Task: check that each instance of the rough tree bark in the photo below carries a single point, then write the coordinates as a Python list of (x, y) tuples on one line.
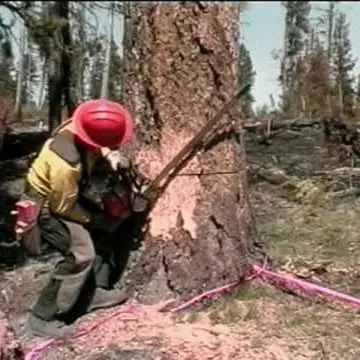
[(179, 71)]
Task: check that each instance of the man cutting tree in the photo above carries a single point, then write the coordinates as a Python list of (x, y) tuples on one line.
[(55, 183)]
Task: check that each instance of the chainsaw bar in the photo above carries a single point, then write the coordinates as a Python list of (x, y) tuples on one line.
[(196, 141)]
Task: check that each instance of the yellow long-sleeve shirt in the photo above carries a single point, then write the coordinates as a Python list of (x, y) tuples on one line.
[(57, 179)]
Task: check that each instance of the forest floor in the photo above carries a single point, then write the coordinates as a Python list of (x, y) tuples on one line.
[(317, 239)]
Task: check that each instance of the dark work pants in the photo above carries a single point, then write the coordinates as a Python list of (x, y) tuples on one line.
[(74, 275)]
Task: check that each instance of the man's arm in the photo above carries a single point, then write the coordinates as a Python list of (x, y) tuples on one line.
[(115, 158), (63, 199)]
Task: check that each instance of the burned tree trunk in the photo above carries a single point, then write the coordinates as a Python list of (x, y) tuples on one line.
[(59, 75), (66, 59), (179, 71)]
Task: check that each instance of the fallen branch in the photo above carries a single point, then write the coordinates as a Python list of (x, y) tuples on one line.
[(271, 128), (276, 176), (343, 171), (344, 193), (282, 124)]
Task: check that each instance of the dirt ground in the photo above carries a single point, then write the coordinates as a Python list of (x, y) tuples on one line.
[(317, 239)]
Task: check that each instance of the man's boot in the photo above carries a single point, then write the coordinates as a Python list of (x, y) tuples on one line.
[(56, 301), (102, 272), (42, 319), (38, 327), (106, 298)]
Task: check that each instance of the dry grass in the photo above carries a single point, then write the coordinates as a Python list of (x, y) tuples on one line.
[(321, 243)]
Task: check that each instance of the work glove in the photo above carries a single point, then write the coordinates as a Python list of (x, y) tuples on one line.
[(26, 213), (143, 197), (117, 160), (26, 230)]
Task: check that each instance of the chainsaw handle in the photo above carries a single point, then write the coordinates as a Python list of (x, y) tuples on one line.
[(142, 199)]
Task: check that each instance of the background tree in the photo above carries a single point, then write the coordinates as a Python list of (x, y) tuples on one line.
[(116, 69), (246, 74), (80, 38), (357, 98), (107, 62), (20, 75), (343, 65), (96, 69), (97, 60), (31, 74), (7, 80), (60, 60), (297, 28), (317, 91)]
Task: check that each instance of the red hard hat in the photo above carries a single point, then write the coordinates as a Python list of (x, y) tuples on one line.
[(103, 123)]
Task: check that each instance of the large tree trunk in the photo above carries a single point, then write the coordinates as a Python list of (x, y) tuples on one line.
[(180, 71)]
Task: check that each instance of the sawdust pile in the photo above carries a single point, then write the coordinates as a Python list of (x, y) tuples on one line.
[(10, 348), (135, 332), (180, 195)]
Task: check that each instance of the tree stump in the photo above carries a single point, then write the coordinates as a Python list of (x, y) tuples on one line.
[(10, 349), (180, 69)]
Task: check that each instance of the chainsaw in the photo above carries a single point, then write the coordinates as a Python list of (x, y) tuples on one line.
[(130, 192), (155, 188), (122, 186)]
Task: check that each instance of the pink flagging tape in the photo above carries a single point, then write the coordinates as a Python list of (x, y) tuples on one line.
[(34, 353), (310, 288), (256, 272), (217, 291), (204, 295)]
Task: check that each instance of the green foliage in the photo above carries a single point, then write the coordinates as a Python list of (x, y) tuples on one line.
[(41, 34), (297, 23), (297, 27), (246, 74)]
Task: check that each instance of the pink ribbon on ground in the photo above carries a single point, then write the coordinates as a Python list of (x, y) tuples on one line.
[(34, 353), (291, 282), (256, 272)]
